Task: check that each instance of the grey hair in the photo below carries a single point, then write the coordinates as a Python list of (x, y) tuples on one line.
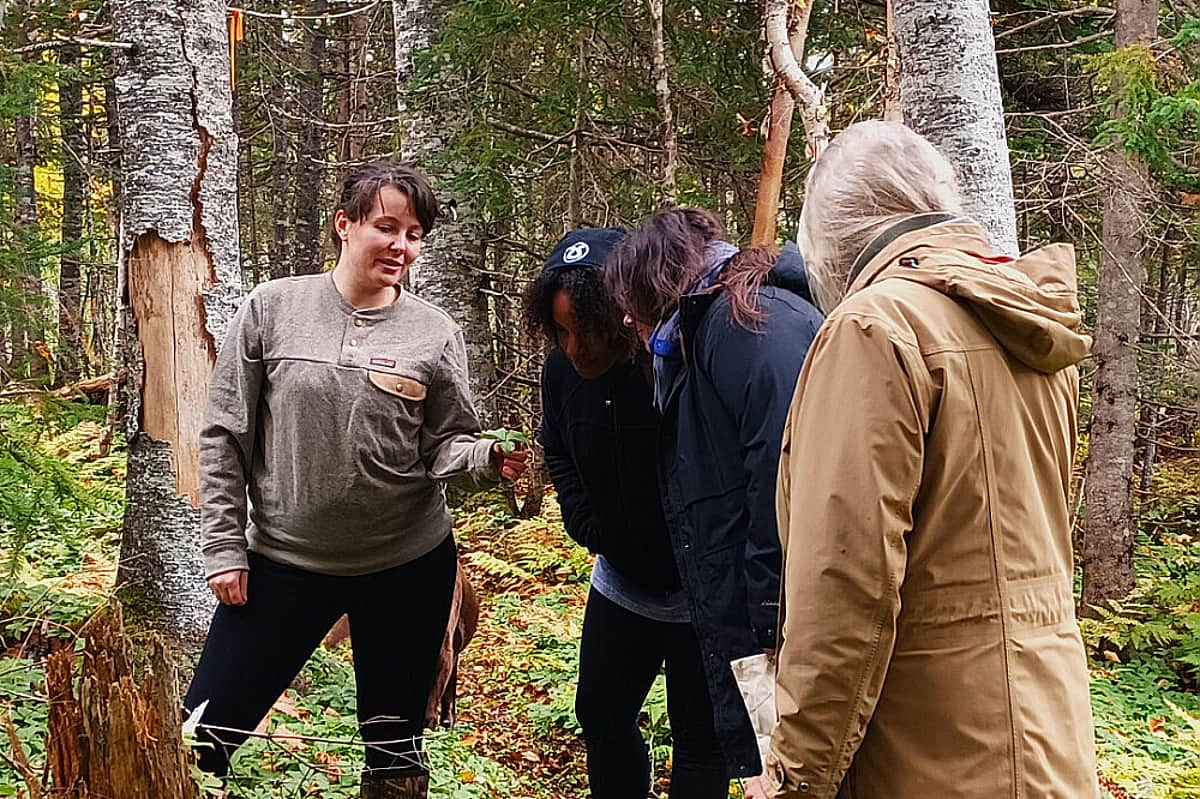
[(873, 175)]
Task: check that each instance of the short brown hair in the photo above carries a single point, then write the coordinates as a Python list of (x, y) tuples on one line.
[(362, 184)]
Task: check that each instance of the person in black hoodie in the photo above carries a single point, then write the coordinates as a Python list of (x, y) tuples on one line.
[(729, 331), (599, 433)]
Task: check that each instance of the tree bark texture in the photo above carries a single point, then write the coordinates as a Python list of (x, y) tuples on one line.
[(281, 170), (779, 131), (950, 94), (309, 256), (29, 341), (1108, 524), (27, 156), (70, 332), (352, 85), (891, 79), (662, 93), (785, 47), (181, 279), (449, 272), (770, 182)]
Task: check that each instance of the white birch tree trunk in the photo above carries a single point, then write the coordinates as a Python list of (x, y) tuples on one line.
[(950, 94), (449, 272), (662, 92), (181, 282)]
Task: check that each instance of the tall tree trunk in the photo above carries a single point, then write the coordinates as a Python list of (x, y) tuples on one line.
[(449, 272), (662, 92), (70, 98), (352, 87), (310, 156), (891, 79), (779, 131), (27, 156), (182, 282), (574, 166), (1108, 526), (279, 96), (29, 346), (1151, 412), (785, 47), (950, 94)]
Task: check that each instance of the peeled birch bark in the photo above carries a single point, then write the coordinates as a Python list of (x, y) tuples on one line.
[(180, 282)]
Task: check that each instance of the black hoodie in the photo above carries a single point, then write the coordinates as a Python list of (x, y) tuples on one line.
[(600, 438)]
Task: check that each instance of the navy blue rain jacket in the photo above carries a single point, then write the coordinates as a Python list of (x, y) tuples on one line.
[(718, 461)]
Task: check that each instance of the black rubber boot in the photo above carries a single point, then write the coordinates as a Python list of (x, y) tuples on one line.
[(414, 785)]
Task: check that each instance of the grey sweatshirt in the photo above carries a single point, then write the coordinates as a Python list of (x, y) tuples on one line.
[(339, 425)]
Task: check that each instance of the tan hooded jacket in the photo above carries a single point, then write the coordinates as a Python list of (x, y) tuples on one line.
[(929, 647)]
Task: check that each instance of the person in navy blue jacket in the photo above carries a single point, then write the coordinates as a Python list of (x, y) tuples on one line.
[(728, 331), (599, 432)]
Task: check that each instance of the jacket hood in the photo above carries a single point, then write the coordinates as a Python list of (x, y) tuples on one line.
[(790, 273), (1029, 304)]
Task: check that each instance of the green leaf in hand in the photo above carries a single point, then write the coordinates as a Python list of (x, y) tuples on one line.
[(508, 439)]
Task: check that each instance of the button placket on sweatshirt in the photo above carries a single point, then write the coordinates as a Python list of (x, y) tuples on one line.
[(356, 336)]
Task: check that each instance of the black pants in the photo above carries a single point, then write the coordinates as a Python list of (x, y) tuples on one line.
[(619, 657), (398, 618)]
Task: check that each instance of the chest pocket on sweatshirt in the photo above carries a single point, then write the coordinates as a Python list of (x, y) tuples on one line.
[(389, 421), (404, 387)]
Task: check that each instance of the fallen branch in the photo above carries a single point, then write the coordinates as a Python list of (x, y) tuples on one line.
[(20, 760)]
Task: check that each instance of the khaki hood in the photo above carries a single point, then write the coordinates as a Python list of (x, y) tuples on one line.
[(1030, 304)]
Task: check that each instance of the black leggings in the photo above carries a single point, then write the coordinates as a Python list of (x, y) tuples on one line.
[(619, 657), (397, 617)]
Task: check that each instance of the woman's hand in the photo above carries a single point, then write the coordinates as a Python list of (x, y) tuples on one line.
[(755, 789), (230, 587), (511, 465)]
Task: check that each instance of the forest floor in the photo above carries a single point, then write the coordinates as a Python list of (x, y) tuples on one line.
[(516, 736)]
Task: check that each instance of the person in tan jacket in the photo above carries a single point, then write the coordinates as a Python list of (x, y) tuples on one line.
[(928, 647)]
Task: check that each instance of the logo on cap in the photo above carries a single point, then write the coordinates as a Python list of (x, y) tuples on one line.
[(576, 251)]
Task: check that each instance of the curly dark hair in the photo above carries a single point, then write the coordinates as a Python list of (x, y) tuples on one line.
[(595, 311)]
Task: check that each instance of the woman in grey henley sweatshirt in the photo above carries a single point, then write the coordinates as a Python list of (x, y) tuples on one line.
[(337, 411)]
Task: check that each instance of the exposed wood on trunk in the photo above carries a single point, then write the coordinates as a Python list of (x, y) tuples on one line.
[(181, 285), (770, 184), (65, 739), (165, 281), (118, 735), (1109, 526), (950, 93)]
